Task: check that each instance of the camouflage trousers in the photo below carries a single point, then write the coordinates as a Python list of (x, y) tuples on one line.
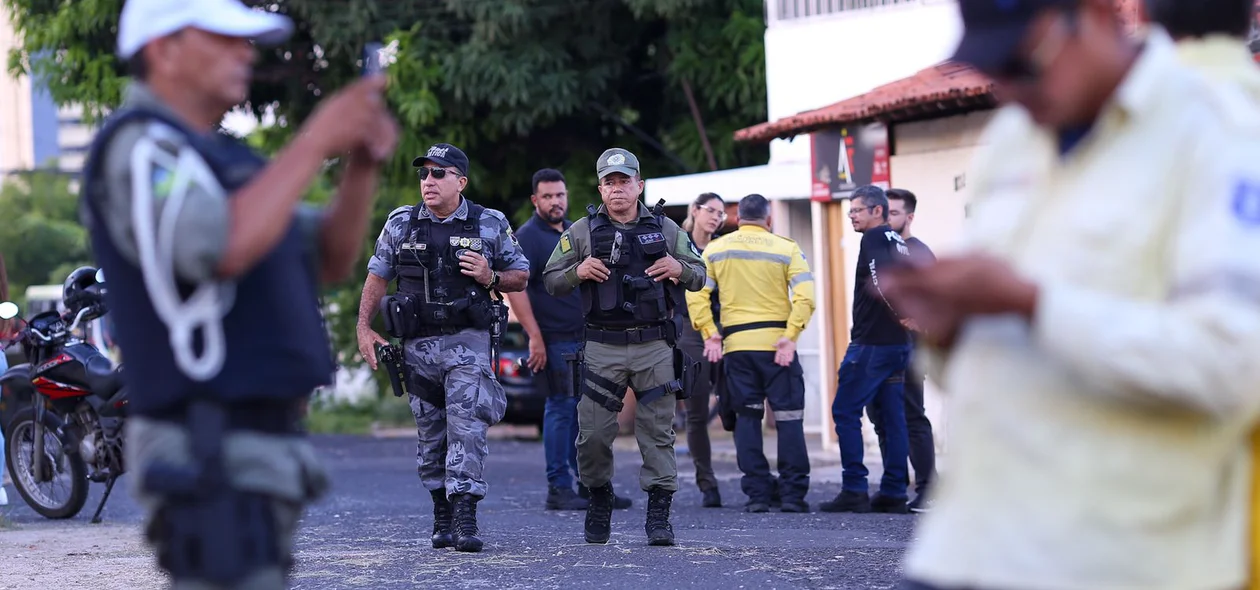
[(451, 444)]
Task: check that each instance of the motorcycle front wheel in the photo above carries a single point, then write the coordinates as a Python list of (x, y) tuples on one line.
[(59, 471)]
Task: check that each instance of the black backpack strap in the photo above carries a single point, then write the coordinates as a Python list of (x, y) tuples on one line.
[(473, 223)]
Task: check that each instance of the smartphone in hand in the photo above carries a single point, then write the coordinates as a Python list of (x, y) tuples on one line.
[(372, 59)]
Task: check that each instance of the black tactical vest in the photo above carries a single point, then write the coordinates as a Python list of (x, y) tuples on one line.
[(276, 343), (629, 298), (428, 267)]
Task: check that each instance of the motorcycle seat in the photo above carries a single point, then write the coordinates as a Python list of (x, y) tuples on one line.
[(102, 378)]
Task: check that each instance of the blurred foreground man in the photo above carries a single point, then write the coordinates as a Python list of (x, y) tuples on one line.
[(214, 270), (1100, 336), (1212, 38), (630, 264), (766, 296)]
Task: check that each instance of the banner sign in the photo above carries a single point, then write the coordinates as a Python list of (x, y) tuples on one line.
[(846, 158)]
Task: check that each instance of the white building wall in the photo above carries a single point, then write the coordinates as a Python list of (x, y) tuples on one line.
[(815, 61), (17, 147)]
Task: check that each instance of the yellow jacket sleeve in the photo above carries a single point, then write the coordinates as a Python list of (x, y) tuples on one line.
[(698, 302), (801, 285)]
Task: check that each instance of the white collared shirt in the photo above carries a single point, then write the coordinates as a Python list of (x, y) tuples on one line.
[(1104, 445)]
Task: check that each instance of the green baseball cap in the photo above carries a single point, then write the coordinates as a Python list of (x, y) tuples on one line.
[(617, 160)]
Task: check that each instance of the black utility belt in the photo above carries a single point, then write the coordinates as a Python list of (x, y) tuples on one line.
[(634, 335), (407, 315), (272, 416), (727, 331)]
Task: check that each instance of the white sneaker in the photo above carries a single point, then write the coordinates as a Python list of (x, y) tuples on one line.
[(4, 497)]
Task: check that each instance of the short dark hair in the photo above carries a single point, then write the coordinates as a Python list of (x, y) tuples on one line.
[(754, 207), (872, 196), (905, 196), (546, 175), (136, 66), (1199, 18)]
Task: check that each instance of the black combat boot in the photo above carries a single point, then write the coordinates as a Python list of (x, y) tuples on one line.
[(442, 537), (659, 532), (599, 514), (466, 523)]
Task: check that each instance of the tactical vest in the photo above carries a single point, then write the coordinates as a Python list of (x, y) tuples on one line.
[(277, 348), (629, 298), (446, 300)]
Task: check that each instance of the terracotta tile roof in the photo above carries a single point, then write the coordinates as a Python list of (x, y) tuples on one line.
[(945, 88)]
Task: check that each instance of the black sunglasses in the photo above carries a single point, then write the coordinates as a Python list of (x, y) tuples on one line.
[(438, 173)]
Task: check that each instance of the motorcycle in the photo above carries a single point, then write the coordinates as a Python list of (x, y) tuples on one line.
[(71, 404)]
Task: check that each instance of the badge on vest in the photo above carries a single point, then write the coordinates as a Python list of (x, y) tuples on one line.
[(651, 238), (565, 245), (415, 246), (466, 242)]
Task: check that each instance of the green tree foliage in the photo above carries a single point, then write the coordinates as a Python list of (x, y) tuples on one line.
[(518, 84), (41, 237)]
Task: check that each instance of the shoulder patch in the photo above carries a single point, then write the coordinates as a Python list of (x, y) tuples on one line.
[(512, 236), (399, 211), (694, 249), (1246, 202), (565, 245)]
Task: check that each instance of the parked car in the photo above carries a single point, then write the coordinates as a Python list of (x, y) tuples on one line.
[(525, 403)]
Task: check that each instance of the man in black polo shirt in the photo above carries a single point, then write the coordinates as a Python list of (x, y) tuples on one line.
[(554, 326), (874, 366)]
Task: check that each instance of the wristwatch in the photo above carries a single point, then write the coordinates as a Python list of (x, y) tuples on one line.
[(494, 280)]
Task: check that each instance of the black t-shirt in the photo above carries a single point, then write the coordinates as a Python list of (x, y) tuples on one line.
[(555, 315), (874, 323), (919, 252)]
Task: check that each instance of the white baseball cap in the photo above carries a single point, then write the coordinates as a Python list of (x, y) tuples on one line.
[(145, 20)]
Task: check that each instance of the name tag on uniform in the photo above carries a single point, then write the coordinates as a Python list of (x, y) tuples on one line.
[(415, 246), (651, 238)]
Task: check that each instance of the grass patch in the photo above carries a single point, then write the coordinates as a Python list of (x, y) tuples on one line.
[(359, 417)]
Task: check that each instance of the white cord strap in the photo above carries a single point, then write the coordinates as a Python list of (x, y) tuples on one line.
[(211, 301)]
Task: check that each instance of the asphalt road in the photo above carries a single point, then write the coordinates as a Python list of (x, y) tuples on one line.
[(373, 532)]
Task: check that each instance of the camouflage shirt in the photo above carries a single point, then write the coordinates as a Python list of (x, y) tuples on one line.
[(501, 247)]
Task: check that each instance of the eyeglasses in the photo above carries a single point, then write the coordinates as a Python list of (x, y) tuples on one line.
[(721, 214), (856, 210), (438, 173)]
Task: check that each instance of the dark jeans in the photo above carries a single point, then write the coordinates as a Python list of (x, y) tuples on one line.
[(560, 425), (869, 373), (698, 408), (922, 443), (753, 378)]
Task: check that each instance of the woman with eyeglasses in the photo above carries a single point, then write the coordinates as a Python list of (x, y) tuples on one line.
[(705, 217)]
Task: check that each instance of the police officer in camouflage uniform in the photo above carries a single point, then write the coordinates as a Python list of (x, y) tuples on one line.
[(631, 264), (448, 255), (214, 269)]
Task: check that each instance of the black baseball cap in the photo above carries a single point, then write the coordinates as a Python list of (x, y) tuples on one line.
[(444, 154), (993, 29)]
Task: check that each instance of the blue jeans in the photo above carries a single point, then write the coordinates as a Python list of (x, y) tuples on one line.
[(560, 426), (871, 373)]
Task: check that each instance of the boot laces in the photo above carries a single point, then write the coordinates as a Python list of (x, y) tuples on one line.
[(466, 518)]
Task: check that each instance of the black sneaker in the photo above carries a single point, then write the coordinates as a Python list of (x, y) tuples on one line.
[(619, 503), (798, 506), (888, 505), (564, 499), (847, 502), (921, 504), (712, 498)]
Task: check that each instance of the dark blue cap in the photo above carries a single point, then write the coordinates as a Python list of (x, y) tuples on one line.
[(993, 29), (444, 154)]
